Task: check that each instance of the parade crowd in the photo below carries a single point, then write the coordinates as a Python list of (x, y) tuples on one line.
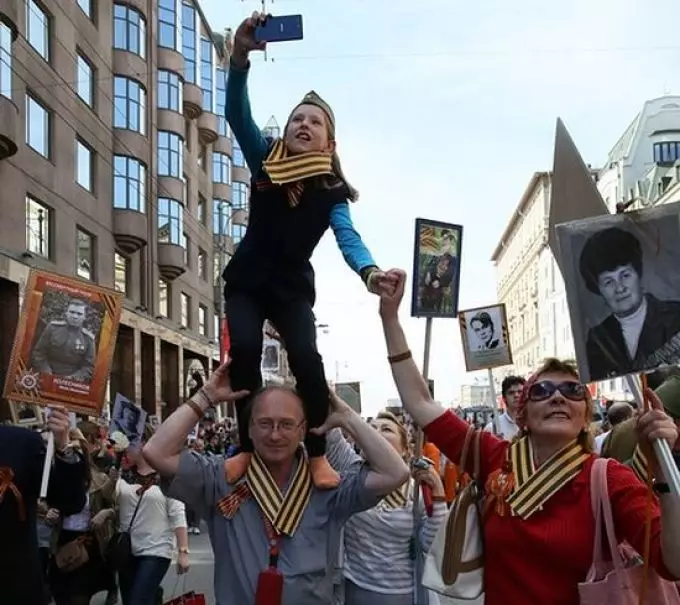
[(305, 502)]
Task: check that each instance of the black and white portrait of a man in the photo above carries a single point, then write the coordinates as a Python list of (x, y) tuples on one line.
[(128, 418), (624, 292)]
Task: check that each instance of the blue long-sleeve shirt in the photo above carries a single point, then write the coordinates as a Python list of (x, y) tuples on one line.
[(255, 147)]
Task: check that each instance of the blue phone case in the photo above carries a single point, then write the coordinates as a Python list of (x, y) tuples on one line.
[(280, 29)]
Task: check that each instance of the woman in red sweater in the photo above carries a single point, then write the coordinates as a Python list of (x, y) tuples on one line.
[(539, 527)]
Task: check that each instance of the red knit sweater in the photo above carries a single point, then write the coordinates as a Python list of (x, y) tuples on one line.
[(542, 559)]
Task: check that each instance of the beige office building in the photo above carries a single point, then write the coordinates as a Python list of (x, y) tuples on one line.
[(117, 167)]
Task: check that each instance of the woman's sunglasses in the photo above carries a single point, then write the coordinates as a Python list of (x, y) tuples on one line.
[(544, 389)]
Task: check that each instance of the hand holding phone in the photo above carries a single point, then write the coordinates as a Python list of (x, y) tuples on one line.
[(279, 29)]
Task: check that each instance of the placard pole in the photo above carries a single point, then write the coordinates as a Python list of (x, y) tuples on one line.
[(661, 448), (47, 467), (494, 404)]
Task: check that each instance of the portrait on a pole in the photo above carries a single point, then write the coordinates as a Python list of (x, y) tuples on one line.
[(485, 338), (623, 289), (436, 269), (64, 344), (271, 351), (350, 393), (129, 419)]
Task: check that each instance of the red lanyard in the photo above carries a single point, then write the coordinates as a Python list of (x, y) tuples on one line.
[(274, 539)]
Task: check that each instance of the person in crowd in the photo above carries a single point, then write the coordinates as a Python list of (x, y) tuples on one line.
[(156, 524), (617, 412), (22, 457), (622, 441), (96, 444), (537, 487), (387, 531), (634, 336), (298, 191), (511, 391), (76, 584), (274, 512)]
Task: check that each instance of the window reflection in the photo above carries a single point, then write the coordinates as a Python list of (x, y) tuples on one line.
[(169, 91), (170, 148), (38, 29), (37, 126), (38, 224), (221, 168), (129, 110), (189, 41), (5, 60), (169, 221), (167, 24), (84, 255), (207, 74), (129, 30), (129, 184)]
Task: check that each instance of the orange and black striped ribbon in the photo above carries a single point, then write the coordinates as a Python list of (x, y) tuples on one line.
[(284, 512), (290, 171), (535, 486)]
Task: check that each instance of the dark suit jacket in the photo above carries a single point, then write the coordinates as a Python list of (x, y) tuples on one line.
[(606, 349), (23, 451)]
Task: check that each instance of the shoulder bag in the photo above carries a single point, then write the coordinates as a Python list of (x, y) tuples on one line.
[(119, 549), (454, 565), (617, 582)]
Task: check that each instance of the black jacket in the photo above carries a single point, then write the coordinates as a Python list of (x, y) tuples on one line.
[(606, 349), (274, 255), (23, 452)]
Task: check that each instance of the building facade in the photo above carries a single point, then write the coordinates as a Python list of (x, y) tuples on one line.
[(517, 260), (643, 168), (118, 167)]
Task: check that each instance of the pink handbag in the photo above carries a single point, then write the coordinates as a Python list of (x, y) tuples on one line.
[(617, 582)]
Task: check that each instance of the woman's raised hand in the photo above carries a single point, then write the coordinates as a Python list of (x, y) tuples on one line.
[(390, 300), (244, 38)]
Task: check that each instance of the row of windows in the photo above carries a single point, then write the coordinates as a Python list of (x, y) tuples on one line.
[(39, 241), (165, 309), (39, 238), (666, 153), (129, 173)]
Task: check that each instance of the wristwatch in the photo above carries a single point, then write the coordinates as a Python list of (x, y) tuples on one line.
[(183, 551)]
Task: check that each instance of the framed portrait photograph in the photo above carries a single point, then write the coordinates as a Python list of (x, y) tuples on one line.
[(128, 418), (484, 334), (26, 414), (436, 269), (623, 289), (271, 350), (64, 344)]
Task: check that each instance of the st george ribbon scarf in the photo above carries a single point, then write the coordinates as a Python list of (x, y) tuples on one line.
[(533, 487), (291, 170), (283, 512)]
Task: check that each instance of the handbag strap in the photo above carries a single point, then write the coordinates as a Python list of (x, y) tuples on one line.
[(134, 514), (602, 510), (472, 439)]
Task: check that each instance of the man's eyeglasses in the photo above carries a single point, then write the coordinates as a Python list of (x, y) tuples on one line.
[(267, 425), (544, 389)]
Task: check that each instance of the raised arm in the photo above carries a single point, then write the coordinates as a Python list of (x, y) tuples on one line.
[(413, 390), (442, 427), (387, 471), (163, 450), (238, 113)]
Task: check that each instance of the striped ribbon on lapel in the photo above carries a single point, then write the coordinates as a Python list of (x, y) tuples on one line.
[(535, 486)]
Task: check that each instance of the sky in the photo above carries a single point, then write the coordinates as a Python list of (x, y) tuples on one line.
[(444, 111)]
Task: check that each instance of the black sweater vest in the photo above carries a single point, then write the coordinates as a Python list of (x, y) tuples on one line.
[(273, 257)]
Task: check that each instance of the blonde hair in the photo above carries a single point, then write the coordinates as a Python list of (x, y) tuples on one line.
[(558, 366), (401, 429)]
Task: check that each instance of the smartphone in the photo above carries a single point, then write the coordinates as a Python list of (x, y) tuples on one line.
[(280, 29)]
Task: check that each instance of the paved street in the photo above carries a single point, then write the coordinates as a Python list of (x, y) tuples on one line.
[(200, 578)]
